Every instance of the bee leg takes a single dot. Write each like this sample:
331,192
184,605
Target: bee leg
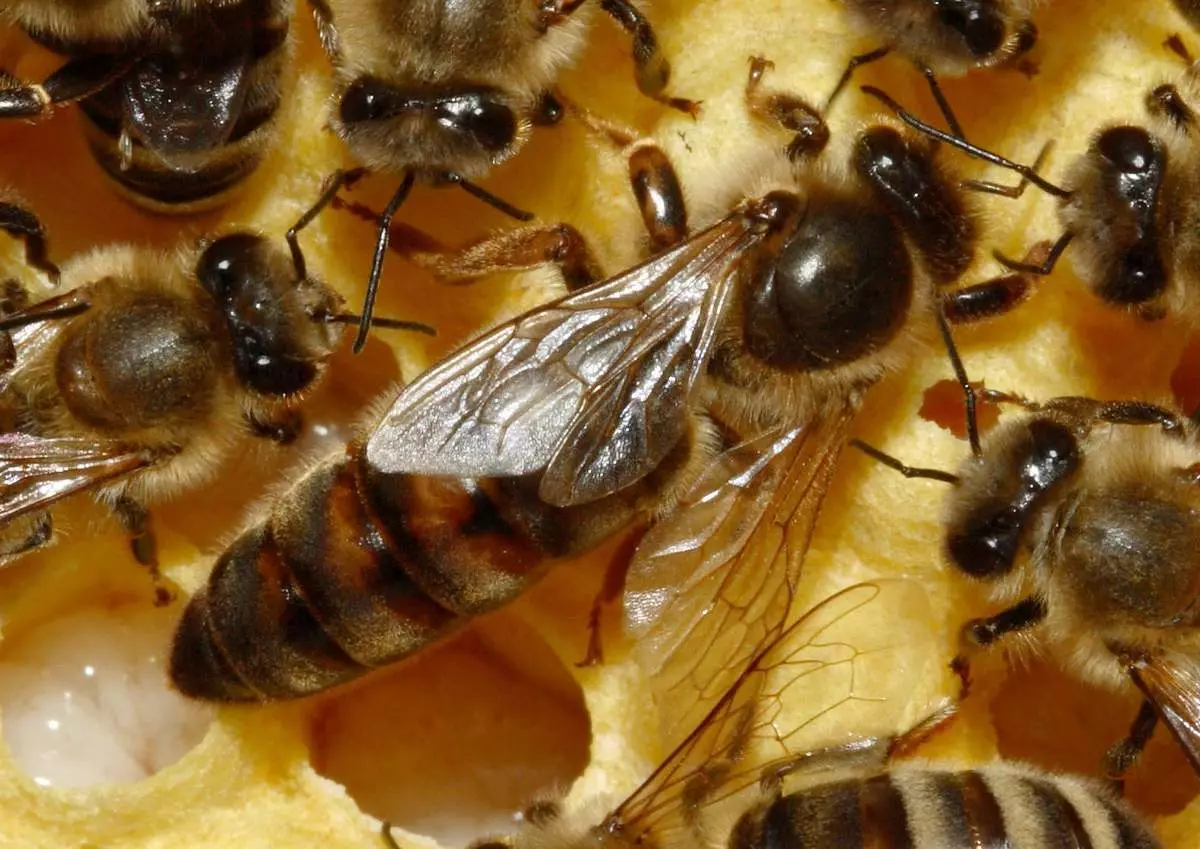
656,186
333,184
1016,191
37,531
1139,413
326,30
979,634
1003,293
22,224
1166,102
908,471
136,520
77,79
610,591
853,65
985,300
1038,269
1122,756
659,194
282,427
789,111
867,754
381,243
385,832
942,102
652,70
965,146
516,249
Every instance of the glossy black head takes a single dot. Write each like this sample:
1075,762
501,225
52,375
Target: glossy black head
984,536
1131,164
902,171
277,347
978,23
478,117
837,288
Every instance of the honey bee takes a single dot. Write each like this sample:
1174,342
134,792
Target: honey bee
1128,206
134,383
1082,514
943,37
442,92
178,99
706,392
740,781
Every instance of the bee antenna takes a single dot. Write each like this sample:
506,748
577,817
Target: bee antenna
895,464
381,244
386,323
333,184
965,146
385,832
27,317
484,195
960,374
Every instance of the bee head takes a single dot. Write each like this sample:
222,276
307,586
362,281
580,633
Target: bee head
277,346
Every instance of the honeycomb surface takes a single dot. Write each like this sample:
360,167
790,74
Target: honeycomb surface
443,743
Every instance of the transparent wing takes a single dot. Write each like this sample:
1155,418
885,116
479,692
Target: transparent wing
840,656
35,472
712,584
593,389
1171,681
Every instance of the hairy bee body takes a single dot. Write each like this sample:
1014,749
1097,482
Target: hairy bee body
136,382
142,365
183,104
444,87
999,806
371,567
950,38
1094,520
822,286
743,780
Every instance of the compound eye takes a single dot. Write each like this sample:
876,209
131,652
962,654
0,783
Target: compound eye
490,123
981,29
227,264
1138,278
987,545
369,99
1130,149
267,372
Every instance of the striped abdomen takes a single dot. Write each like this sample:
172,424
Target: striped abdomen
354,569
1001,806
197,106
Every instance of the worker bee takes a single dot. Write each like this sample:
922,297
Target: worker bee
943,37
442,92
1127,205
1082,514
706,392
741,780
134,382
177,99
